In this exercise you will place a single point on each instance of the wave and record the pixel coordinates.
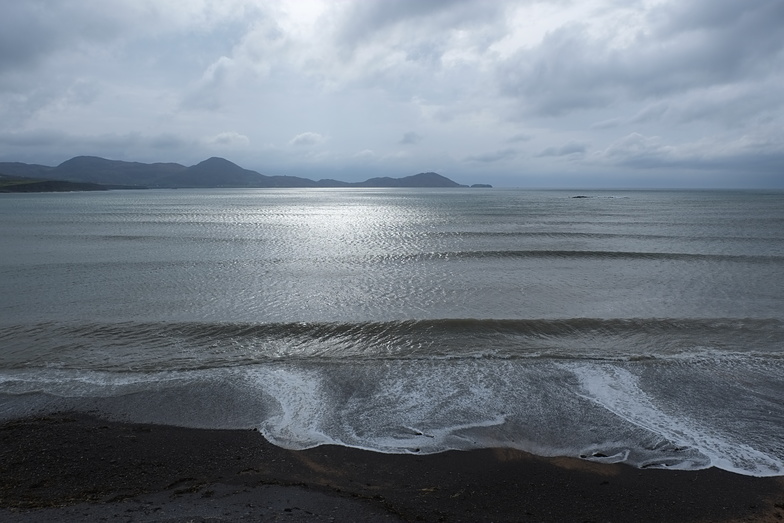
(196, 345)
(370, 259)
(602, 255)
(691, 415)
(683, 393)
(572, 235)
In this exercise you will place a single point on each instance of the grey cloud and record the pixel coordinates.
(639, 150)
(729, 105)
(721, 15)
(207, 93)
(573, 69)
(228, 138)
(721, 40)
(82, 92)
(34, 29)
(747, 154)
(367, 18)
(56, 138)
(564, 150)
(410, 138)
(493, 157)
(21, 101)
(609, 123)
(25, 38)
(18, 106)
(520, 137)
(167, 141)
(29, 31)
(307, 139)
(558, 76)
(57, 55)
(732, 106)
(400, 46)
(50, 138)
(34, 138)
(651, 113)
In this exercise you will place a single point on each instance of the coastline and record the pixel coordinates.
(78, 467)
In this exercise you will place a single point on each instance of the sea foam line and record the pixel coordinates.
(618, 391)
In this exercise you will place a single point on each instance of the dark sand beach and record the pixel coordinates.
(72, 467)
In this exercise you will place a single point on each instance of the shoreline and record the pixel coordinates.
(78, 467)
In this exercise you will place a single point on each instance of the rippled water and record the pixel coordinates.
(634, 326)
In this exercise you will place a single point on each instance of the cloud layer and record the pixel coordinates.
(556, 93)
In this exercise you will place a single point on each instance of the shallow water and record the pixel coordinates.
(636, 326)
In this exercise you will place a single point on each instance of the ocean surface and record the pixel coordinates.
(624, 326)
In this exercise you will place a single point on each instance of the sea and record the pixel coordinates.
(637, 327)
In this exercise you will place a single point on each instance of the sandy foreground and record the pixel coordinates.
(73, 467)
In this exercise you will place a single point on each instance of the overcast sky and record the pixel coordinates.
(621, 93)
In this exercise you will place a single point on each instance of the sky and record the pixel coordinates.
(583, 93)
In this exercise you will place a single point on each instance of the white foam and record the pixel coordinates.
(83, 384)
(426, 406)
(422, 410)
(395, 413)
(618, 390)
(301, 406)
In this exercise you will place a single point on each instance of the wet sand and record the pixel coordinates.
(72, 467)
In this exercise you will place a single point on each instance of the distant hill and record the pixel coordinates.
(417, 180)
(219, 172)
(112, 172)
(24, 170)
(20, 184)
(213, 172)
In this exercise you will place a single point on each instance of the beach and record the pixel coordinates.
(70, 467)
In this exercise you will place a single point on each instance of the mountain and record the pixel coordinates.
(429, 179)
(24, 170)
(113, 172)
(213, 172)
